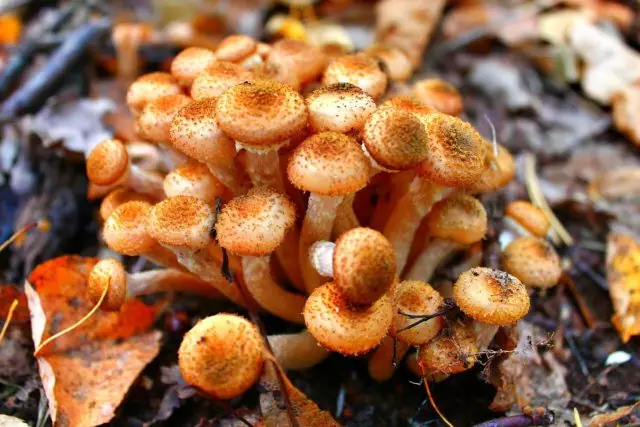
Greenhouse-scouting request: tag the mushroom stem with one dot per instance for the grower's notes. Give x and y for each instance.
(436, 253)
(317, 225)
(512, 230)
(297, 351)
(267, 293)
(161, 256)
(229, 176)
(385, 358)
(167, 280)
(346, 218)
(321, 256)
(144, 182)
(484, 334)
(407, 214)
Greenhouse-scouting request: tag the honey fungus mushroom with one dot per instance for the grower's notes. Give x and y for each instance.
(441, 95)
(221, 356)
(499, 170)
(154, 121)
(190, 63)
(339, 107)
(532, 260)
(358, 69)
(454, 350)
(149, 87)
(193, 179)
(217, 78)
(253, 226)
(118, 197)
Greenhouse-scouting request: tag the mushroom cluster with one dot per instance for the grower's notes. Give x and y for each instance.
(294, 168)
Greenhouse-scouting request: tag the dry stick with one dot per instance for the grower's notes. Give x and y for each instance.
(14, 304)
(448, 306)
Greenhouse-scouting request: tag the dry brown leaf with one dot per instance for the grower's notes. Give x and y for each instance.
(616, 185)
(9, 293)
(626, 107)
(87, 372)
(601, 420)
(623, 276)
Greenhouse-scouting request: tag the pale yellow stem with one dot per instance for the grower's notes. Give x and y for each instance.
(168, 280)
(297, 351)
(381, 361)
(145, 182)
(346, 218)
(435, 254)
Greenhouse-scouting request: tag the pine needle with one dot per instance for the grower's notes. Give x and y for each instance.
(576, 417)
(14, 304)
(433, 403)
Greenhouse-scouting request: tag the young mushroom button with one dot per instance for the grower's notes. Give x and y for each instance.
(449, 353)
(149, 87)
(532, 260)
(418, 299)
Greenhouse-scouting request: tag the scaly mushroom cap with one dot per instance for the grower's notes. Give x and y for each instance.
(182, 221)
(498, 170)
(359, 69)
(364, 265)
(534, 261)
(192, 179)
(149, 87)
(154, 121)
(235, 48)
(255, 224)
(221, 356)
(108, 272)
(118, 197)
(340, 107)
(329, 163)
(396, 62)
(491, 296)
(195, 132)
(395, 139)
(451, 352)
(443, 96)
(529, 216)
(190, 63)
(261, 114)
(419, 298)
(307, 61)
(342, 327)
(411, 105)
(460, 218)
(217, 78)
(125, 232)
(108, 162)
(455, 152)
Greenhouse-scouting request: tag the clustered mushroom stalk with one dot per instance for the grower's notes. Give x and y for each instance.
(264, 170)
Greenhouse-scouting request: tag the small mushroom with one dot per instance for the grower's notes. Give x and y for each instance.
(534, 261)
(297, 351)
(358, 69)
(217, 78)
(149, 87)
(441, 95)
(236, 48)
(154, 121)
(306, 60)
(190, 63)
(454, 350)
(522, 218)
(339, 107)
(193, 179)
(118, 197)
(499, 170)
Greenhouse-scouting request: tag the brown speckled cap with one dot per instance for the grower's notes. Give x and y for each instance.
(534, 261)
(125, 230)
(154, 121)
(193, 179)
(217, 78)
(340, 107)
(111, 273)
(189, 63)
(182, 221)
(529, 216)
(450, 353)
(149, 87)
(461, 218)
(359, 69)
(236, 47)
(418, 298)
(108, 162)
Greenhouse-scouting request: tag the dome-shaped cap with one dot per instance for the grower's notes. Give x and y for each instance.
(418, 298)
(451, 352)
(307, 61)
(111, 273)
(118, 197)
(189, 63)
(182, 221)
(359, 69)
(192, 179)
(149, 87)
(255, 224)
(461, 218)
(261, 114)
(529, 216)
(125, 231)
(340, 107)
(455, 154)
(498, 170)
(195, 132)
(411, 105)
(329, 163)
(395, 139)
(340, 327)
(217, 78)
(154, 121)
(235, 48)
(491, 296)
(221, 356)
(108, 162)
(396, 62)
(364, 265)
(443, 96)
(532, 260)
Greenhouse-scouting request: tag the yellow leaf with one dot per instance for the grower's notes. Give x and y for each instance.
(623, 275)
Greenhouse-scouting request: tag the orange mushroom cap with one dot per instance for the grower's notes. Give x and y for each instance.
(498, 170)
(460, 218)
(217, 78)
(125, 230)
(107, 163)
(451, 352)
(396, 62)
(111, 273)
(417, 298)
(149, 87)
(189, 63)
(154, 121)
(359, 69)
(307, 61)
(443, 96)
(340, 107)
(534, 261)
(529, 216)
(192, 179)
(235, 48)
(411, 105)
(118, 197)
(182, 221)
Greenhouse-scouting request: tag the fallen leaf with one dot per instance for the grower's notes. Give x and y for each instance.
(8, 293)
(87, 372)
(623, 276)
(601, 420)
(626, 105)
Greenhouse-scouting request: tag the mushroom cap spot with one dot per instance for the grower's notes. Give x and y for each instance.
(364, 265)
(461, 218)
(529, 216)
(307, 61)
(359, 69)
(532, 260)
(235, 47)
(443, 96)
(118, 197)
(125, 230)
(395, 139)
(255, 224)
(189, 63)
(154, 121)
(416, 297)
(217, 78)
(340, 107)
(454, 350)
(329, 163)
(221, 356)
(342, 327)
(182, 221)
(456, 152)
(498, 170)
(262, 114)
(108, 162)
(149, 87)
(491, 296)
(411, 105)
(192, 179)
(195, 132)
(108, 272)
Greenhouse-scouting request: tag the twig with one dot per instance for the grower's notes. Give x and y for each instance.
(566, 280)
(448, 306)
(433, 403)
(7, 321)
(545, 419)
